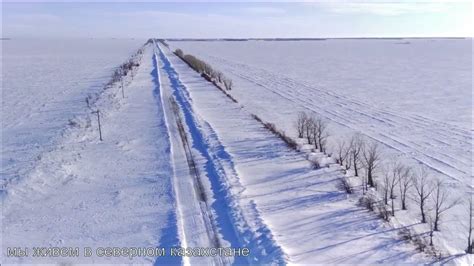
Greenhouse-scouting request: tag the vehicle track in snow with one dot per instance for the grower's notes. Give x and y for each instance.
(444, 148)
(216, 165)
(222, 221)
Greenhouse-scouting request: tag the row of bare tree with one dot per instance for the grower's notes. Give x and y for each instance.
(430, 196)
(396, 179)
(314, 129)
(205, 69)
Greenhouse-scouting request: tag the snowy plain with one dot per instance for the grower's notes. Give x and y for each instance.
(298, 214)
(44, 84)
(64, 187)
(414, 96)
(94, 194)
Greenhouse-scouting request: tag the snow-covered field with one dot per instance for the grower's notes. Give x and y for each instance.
(86, 193)
(183, 165)
(413, 96)
(286, 211)
(44, 84)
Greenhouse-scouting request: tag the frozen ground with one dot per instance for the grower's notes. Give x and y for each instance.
(44, 84)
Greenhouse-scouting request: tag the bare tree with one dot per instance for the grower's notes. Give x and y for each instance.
(310, 130)
(385, 185)
(301, 124)
(348, 158)
(423, 190)
(393, 181)
(431, 224)
(405, 177)
(357, 145)
(470, 242)
(441, 202)
(314, 132)
(371, 160)
(342, 152)
(321, 134)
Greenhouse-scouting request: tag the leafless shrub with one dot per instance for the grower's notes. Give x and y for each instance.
(384, 213)
(368, 202)
(419, 243)
(405, 234)
(73, 123)
(316, 165)
(344, 184)
(257, 118)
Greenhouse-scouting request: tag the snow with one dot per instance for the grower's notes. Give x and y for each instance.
(207, 174)
(436, 72)
(413, 99)
(216, 165)
(88, 193)
(45, 83)
(300, 210)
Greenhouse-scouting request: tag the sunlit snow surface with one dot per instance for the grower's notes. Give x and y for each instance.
(44, 84)
(427, 77)
(414, 96)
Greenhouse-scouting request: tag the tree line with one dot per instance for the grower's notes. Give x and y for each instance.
(390, 180)
(205, 69)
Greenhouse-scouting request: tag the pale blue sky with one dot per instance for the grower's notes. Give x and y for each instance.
(217, 19)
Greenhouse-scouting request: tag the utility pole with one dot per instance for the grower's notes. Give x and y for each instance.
(98, 122)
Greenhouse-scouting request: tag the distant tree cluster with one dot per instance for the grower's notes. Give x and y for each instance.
(205, 69)
(163, 41)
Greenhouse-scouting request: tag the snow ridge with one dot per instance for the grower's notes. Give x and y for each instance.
(169, 234)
